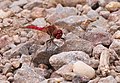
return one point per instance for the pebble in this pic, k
(16, 9)
(33, 4)
(23, 33)
(85, 9)
(61, 12)
(7, 22)
(4, 40)
(83, 69)
(7, 68)
(68, 57)
(4, 4)
(30, 34)
(23, 39)
(70, 3)
(10, 78)
(4, 14)
(18, 3)
(109, 79)
(116, 35)
(113, 17)
(105, 14)
(16, 39)
(118, 68)
(39, 22)
(2, 77)
(1, 67)
(117, 78)
(15, 64)
(118, 23)
(25, 13)
(1, 26)
(115, 46)
(113, 6)
(38, 12)
(9, 74)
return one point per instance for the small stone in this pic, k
(4, 40)
(98, 50)
(25, 59)
(116, 35)
(23, 33)
(77, 45)
(79, 8)
(19, 3)
(61, 12)
(18, 50)
(9, 74)
(4, 81)
(55, 80)
(71, 36)
(67, 57)
(98, 37)
(4, 61)
(113, 28)
(4, 14)
(38, 12)
(73, 20)
(43, 72)
(66, 72)
(23, 39)
(86, 9)
(105, 14)
(113, 17)
(99, 9)
(118, 68)
(39, 22)
(94, 80)
(16, 64)
(115, 46)
(1, 26)
(7, 68)
(80, 79)
(32, 4)
(118, 23)
(30, 34)
(2, 77)
(4, 4)
(10, 78)
(16, 39)
(16, 9)
(93, 14)
(83, 69)
(7, 22)
(25, 13)
(27, 74)
(113, 6)
(43, 66)
(70, 3)
(117, 78)
(109, 79)
(68, 75)
(1, 67)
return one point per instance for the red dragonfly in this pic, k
(51, 30)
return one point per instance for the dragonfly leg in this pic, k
(54, 43)
(47, 43)
(63, 39)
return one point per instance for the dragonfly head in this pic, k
(58, 34)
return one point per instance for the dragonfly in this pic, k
(51, 30)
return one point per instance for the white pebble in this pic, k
(83, 69)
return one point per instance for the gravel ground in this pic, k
(89, 52)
